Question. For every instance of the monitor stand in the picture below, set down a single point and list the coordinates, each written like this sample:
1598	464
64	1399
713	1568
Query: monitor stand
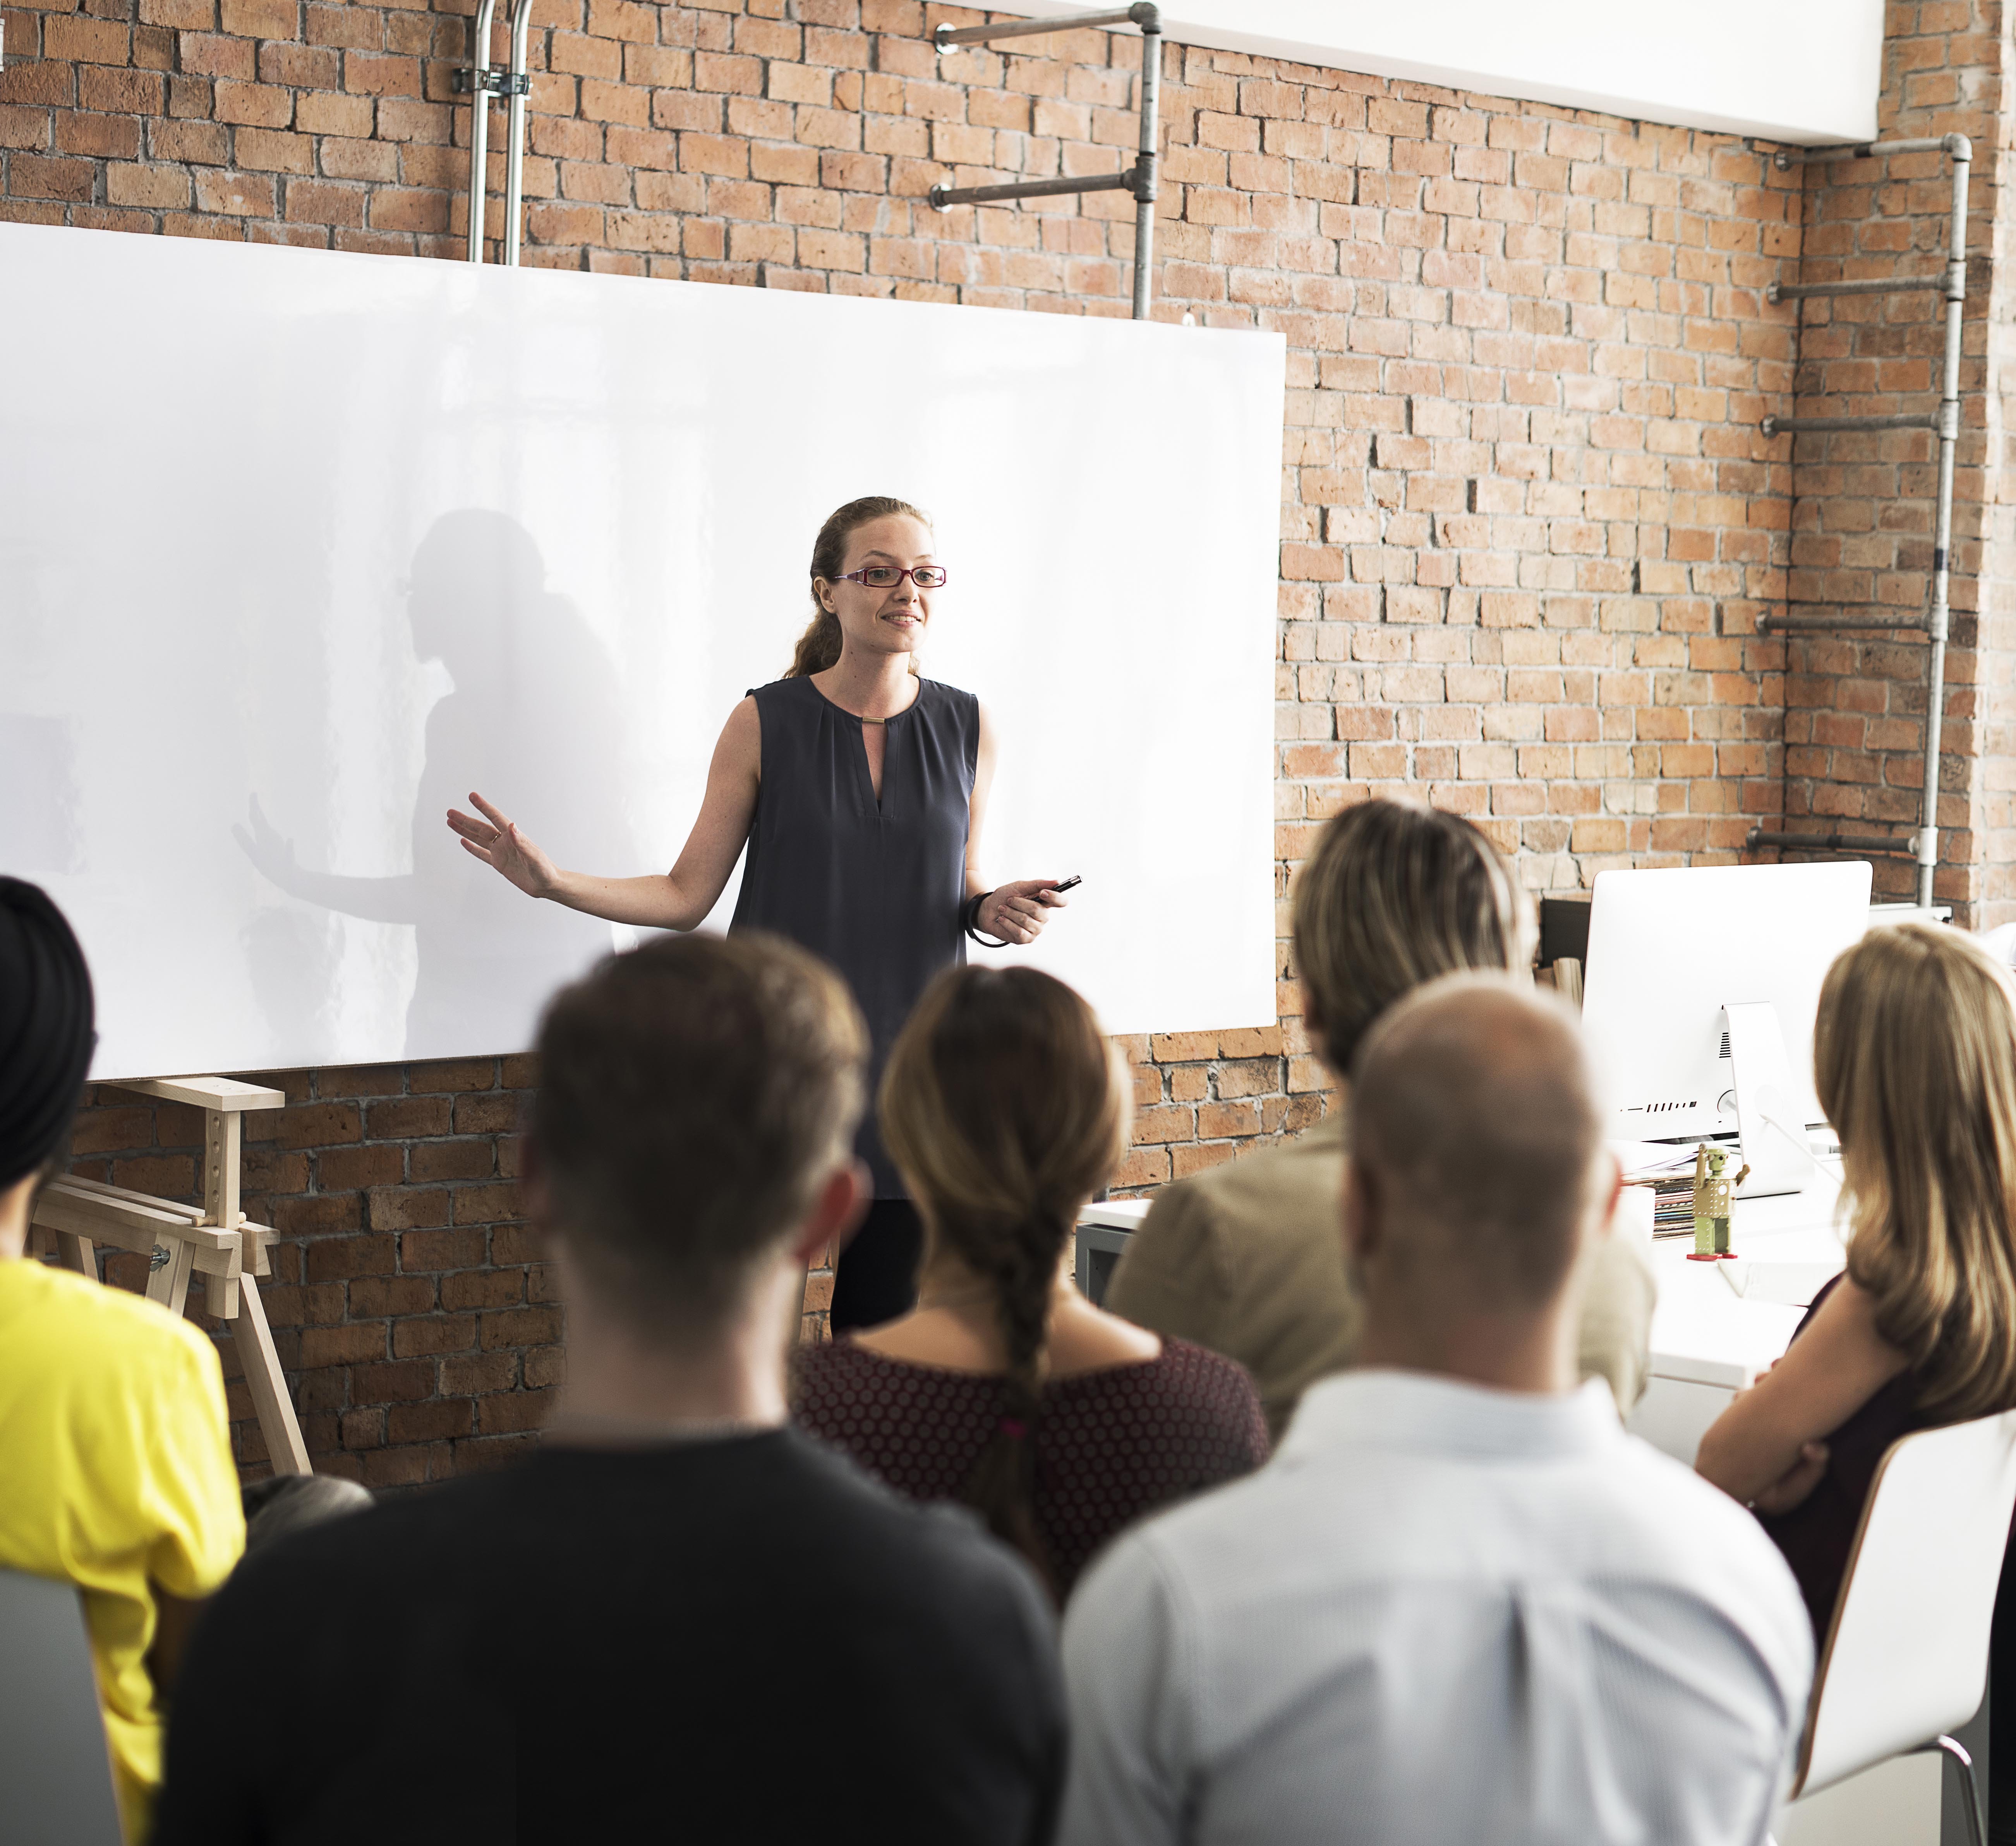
1769	1123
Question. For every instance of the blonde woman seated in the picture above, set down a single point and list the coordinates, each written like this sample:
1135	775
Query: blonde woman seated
1004	1387
1246	1259
1914	1060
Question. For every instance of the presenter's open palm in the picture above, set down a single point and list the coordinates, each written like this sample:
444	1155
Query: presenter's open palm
496	840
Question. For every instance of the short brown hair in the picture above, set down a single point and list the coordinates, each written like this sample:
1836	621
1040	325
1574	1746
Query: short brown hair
691	1097
1394	895
1003	1109
1914	1060
1473	1100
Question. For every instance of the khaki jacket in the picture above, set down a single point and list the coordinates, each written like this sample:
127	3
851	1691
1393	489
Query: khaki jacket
1247	1259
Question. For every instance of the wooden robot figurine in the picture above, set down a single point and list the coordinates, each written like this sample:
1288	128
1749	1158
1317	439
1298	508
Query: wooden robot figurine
1712	1193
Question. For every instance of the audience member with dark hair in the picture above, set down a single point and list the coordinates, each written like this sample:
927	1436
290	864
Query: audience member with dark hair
1005	1387
1461	1602
681	1618
115	1456
1245	1258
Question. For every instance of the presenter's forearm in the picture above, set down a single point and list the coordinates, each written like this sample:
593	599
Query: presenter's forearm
654	902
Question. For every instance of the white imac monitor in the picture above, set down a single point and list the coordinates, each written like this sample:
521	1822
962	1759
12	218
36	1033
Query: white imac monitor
1698	1000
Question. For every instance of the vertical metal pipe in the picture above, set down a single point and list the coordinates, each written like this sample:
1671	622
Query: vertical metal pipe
514	132
1961	151
479	124
1144	196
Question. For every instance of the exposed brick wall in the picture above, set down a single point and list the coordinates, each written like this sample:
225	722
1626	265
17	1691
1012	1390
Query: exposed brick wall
410	1304
1864	503
411	1310
1528	521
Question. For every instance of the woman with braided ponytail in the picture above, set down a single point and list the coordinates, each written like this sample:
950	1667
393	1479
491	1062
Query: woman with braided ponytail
1004	1110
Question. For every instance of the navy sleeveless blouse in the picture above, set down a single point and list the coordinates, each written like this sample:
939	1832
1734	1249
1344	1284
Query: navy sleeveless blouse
873	888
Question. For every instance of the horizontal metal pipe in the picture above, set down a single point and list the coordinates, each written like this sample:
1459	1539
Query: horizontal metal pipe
1916	419
1956	144
943	197
1900	285
947	36
1768	624
1905	848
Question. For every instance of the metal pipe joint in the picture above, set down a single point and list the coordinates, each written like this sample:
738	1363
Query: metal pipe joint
1139	180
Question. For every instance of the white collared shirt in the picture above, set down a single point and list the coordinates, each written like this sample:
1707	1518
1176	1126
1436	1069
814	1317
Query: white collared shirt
1441	1614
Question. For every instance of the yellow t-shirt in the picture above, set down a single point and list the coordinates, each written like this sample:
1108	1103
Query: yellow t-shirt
115	1472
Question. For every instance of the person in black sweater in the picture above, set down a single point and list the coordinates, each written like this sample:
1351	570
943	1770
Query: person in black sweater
681	1619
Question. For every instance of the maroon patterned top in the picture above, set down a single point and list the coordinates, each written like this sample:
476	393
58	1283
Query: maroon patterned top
1114	1445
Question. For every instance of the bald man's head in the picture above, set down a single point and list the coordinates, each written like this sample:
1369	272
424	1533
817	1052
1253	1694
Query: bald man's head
1475	1129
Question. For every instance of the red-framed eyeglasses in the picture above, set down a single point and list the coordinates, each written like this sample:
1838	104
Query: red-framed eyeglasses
886	576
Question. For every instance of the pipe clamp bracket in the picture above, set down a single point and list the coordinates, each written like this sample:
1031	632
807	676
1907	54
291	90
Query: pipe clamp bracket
493	80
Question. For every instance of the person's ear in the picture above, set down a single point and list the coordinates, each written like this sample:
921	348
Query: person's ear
1362	1230
1312	1029
838	1209
1610	1193
535	1191
821	590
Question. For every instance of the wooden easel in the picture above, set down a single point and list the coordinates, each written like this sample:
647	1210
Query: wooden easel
212	1240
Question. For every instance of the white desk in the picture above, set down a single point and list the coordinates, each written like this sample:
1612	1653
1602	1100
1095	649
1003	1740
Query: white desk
1102	1231
1708	1341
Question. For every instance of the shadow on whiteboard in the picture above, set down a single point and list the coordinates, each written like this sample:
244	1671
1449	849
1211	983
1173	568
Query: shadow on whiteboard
533	718
38	803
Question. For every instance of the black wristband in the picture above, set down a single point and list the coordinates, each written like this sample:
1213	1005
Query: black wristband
969	920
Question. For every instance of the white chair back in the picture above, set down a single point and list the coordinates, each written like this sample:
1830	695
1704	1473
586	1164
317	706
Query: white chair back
55	1776
1906	1657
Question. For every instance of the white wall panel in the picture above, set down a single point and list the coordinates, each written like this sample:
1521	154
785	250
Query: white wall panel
297	547
1798	70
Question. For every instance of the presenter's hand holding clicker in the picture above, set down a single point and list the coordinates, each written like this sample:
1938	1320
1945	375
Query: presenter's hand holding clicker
1016	912
496	840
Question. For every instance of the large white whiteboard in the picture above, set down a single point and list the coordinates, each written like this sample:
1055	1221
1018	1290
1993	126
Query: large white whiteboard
297	547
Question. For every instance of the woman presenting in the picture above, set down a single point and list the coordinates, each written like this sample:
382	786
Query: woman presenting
858	788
